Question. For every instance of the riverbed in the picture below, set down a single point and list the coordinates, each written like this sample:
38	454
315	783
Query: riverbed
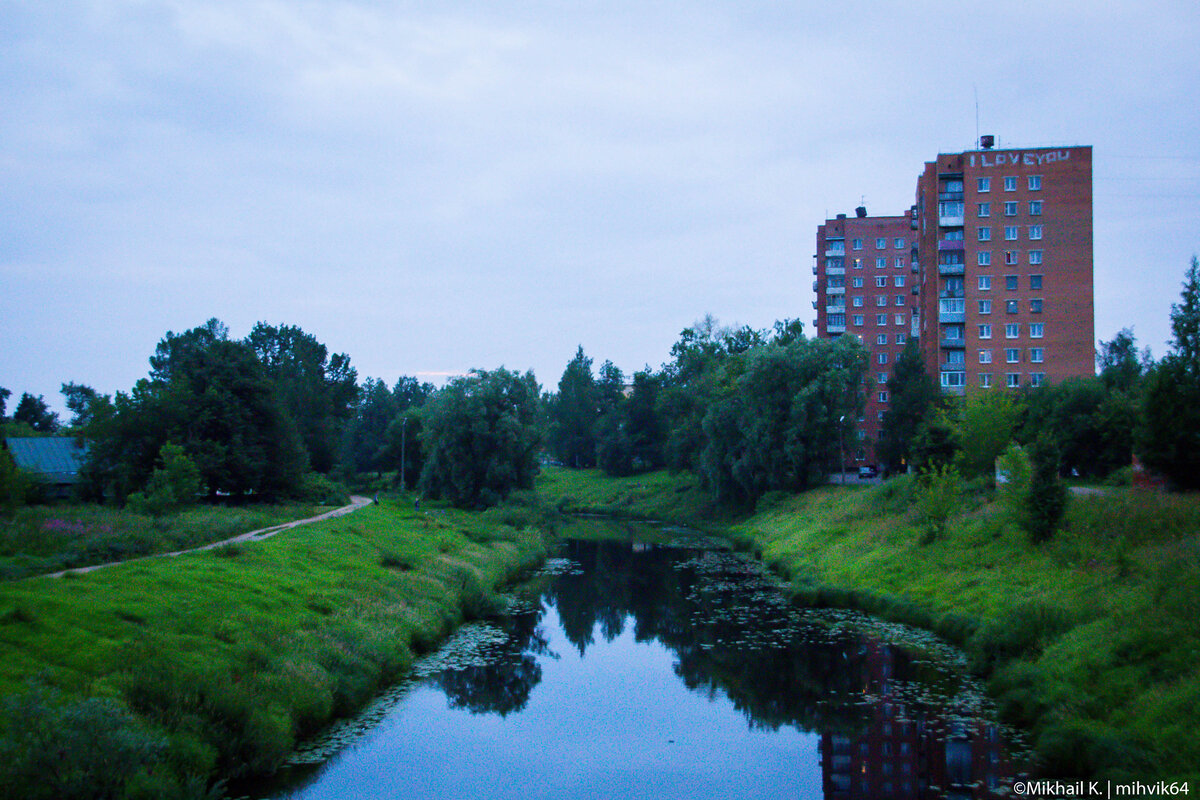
644	661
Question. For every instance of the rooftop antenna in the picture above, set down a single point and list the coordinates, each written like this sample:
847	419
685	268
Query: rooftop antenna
976	88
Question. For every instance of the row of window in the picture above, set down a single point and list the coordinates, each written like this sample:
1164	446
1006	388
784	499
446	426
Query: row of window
880	301
1011	233
1011	283
880	263
955	379
1012	355
858	321
880	244
1011	208
1036	306
1010	183
1011	257
1012	330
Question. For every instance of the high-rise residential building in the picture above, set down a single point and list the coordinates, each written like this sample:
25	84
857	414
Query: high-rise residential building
1005	243
866	286
991	269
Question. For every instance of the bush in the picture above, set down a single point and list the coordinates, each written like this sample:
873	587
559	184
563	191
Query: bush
322	490
1047	501
937	498
172	486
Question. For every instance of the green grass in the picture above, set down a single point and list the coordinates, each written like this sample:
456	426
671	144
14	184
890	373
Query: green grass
227	657
1090	640
41	539
652	496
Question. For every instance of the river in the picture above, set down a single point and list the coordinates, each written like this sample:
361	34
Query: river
651	662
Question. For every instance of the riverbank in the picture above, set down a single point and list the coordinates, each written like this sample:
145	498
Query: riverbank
151	678
1088	641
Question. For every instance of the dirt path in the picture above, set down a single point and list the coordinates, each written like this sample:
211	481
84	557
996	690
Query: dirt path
356	503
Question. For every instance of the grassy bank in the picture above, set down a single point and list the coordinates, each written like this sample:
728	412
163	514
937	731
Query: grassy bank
41	539
1089	641
214	664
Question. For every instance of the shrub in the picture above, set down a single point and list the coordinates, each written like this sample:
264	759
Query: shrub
937	498
1047	501
321	490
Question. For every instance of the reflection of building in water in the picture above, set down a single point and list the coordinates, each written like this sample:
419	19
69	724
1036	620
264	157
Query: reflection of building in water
907	750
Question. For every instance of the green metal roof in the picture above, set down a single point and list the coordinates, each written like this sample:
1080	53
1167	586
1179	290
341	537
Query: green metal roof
57	458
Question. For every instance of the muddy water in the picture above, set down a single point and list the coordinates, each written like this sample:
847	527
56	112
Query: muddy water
660	665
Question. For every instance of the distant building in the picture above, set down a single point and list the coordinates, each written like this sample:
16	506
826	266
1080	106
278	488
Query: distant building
55	461
991	269
1005	239
866	286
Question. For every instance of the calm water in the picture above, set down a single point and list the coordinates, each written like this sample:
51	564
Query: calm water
670	670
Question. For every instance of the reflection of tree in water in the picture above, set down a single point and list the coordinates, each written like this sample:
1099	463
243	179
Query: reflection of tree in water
503	685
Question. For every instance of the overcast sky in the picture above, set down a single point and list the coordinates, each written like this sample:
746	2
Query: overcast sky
431	187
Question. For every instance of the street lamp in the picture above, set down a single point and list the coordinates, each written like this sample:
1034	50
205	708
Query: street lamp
841	449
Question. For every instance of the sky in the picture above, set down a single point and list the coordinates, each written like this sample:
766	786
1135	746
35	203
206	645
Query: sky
436	187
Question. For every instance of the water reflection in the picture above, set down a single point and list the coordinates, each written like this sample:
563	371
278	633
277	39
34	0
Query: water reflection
626	667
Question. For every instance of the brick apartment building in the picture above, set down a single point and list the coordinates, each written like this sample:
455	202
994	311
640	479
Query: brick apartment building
999	266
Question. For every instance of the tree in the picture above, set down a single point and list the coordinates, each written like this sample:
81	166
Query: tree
173	485
1121	365
365	440
34	412
915	396
574	413
481	437
316	389
4	395
989	421
402	439
82	402
1047	501
1169	438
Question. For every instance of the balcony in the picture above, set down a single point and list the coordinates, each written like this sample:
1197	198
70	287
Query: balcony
814	305
835	309
835	270
953	344
838	249
815	285
814	269
950	244
835	328
950	220
944	293
951	269
834	290
952	316
916	268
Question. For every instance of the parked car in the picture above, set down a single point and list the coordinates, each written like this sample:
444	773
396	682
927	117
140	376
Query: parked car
867	472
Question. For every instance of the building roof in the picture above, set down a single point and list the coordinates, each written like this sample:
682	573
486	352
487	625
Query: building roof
58	459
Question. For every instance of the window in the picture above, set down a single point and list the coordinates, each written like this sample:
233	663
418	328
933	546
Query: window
1010	306
952	305
1013	380
883	397
1037	378
881	282
881	301
1035	208
984	258
1010	282
985	283
900	300
858	282
900	337
1035	257
856	244
1037	355
984	233
985	331
1010	257
837	320
881	320
880	263
985	381
983	184
985	356
881	243
1010	183
955	235
1036	329
899	320
899	261
899	243
1035	232
881	339
881	377
898	281
1012	330
882	358
1010	208
856	301
879	415
985	306
1035	305
858	263
983	210
857	320
1012	355
953	379
1010	233
1035	282
1035	183
955	357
